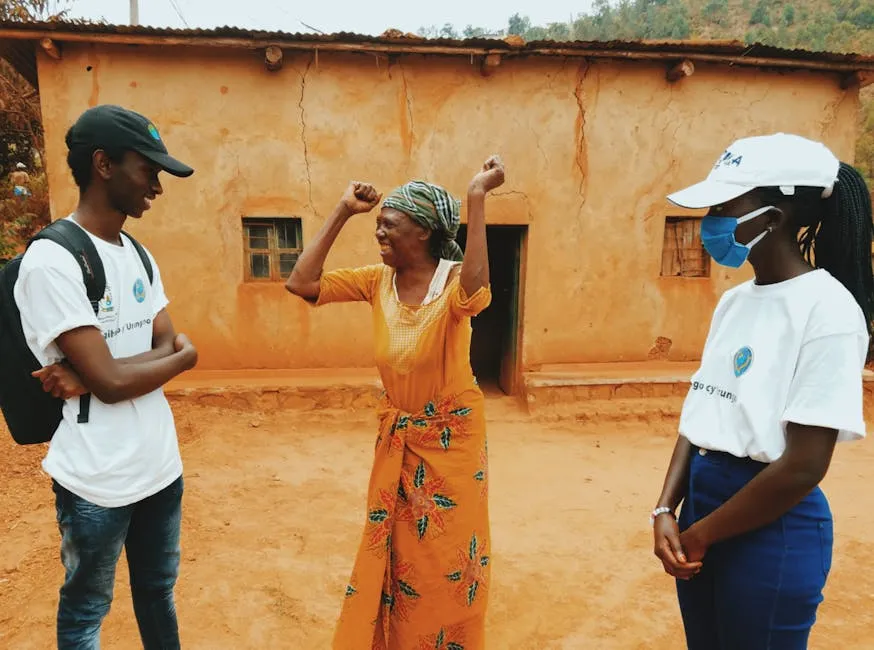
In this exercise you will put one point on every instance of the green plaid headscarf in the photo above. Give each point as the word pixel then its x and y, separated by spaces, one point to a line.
pixel 433 208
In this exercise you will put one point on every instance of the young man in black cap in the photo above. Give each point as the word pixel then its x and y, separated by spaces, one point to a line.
pixel 117 478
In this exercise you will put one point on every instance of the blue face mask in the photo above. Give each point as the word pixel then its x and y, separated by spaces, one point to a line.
pixel 717 235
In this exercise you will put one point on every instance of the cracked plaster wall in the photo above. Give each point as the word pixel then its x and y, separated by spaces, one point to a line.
pixel 591 152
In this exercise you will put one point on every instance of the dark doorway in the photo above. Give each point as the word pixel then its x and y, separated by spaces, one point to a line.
pixel 494 349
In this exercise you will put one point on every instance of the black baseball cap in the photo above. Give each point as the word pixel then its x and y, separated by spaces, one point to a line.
pixel 114 127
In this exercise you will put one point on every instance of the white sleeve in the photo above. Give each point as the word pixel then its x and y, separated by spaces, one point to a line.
pixel 159 300
pixel 826 390
pixel 50 294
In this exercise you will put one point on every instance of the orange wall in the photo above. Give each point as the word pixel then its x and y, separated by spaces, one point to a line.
pixel 591 153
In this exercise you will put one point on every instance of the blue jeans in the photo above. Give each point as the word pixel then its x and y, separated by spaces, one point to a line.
pixel 91 541
pixel 761 590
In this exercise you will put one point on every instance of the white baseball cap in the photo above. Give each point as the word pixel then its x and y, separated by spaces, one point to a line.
pixel 779 160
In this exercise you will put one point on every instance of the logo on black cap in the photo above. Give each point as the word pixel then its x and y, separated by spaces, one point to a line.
pixel 110 126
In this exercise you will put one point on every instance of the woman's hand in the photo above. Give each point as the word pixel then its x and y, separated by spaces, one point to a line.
pixel 489 178
pixel 61 381
pixel 360 198
pixel 693 543
pixel 304 280
pixel 669 549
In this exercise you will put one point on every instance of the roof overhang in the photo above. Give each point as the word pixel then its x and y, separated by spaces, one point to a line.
pixel 50 36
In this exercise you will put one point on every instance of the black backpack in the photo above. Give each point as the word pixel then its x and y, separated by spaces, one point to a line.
pixel 31 414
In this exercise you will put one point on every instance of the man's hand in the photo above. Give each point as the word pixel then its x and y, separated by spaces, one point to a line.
pixel 183 346
pixel 60 380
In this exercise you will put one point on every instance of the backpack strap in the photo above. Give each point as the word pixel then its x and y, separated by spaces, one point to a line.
pixel 147 263
pixel 79 244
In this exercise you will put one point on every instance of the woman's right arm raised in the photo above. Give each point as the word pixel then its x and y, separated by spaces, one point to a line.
pixel 305 278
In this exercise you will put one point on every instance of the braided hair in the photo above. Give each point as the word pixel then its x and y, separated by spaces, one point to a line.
pixel 835 233
pixel 841 242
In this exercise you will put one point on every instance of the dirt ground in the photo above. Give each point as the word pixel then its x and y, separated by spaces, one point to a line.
pixel 273 508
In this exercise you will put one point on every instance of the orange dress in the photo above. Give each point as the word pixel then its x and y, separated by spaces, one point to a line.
pixel 421 576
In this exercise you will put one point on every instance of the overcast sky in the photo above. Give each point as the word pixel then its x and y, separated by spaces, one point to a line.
pixel 360 16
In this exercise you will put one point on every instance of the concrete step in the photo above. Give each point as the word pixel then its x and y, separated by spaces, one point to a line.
pixel 614 390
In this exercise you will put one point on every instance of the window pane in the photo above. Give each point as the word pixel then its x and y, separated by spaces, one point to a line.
pixel 683 254
pixel 286 263
pixel 272 245
pixel 287 233
pixel 259 265
pixel 259 237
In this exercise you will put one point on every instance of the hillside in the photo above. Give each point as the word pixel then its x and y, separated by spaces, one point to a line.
pixel 835 25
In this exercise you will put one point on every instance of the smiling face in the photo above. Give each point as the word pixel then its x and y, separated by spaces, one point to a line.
pixel 131 184
pixel 400 239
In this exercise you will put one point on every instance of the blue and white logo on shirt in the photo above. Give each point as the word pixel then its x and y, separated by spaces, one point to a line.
pixel 139 290
pixel 106 305
pixel 743 359
pixel 106 312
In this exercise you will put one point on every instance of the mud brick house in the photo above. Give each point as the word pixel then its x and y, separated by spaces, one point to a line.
pixel 589 262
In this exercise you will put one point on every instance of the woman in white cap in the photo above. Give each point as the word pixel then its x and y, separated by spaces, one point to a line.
pixel 780 382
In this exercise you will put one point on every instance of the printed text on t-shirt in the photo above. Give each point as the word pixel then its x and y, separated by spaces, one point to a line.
pixel 712 390
pixel 127 327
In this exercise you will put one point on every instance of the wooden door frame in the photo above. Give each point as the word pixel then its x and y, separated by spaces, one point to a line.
pixel 510 378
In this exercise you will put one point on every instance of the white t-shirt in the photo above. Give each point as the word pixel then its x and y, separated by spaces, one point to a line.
pixel 787 352
pixel 127 451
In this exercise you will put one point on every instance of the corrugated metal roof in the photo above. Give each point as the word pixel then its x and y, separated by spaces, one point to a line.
pixel 394 40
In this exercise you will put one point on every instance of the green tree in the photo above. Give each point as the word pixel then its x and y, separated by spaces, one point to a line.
pixel 789 15
pixel 599 25
pixel 784 37
pixel 21 136
pixel 863 17
pixel 448 31
pixel 559 31
pixel 815 33
pixel 677 24
pixel 843 8
pixel 763 35
pixel 518 25
pixel 716 11
pixel 536 33
pixel 843 37
pixel 475 32
pixel 34 10
pixel 761 14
